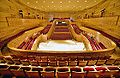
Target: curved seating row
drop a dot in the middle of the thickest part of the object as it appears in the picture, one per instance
(93, 42)
(46, 29)
(59, 61)
(76, 29)
(28, 42)
(60, 72)
(61, 33)
(61, 36)
(95, 45)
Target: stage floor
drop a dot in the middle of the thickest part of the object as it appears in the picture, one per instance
(61, 45)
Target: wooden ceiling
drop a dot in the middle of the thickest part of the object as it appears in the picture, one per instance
(60, 5)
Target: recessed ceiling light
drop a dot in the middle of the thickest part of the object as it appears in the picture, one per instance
(78, 1)
(28, 2)
(60, 6)
(52, 2)
(53, 6)
(35, 7)
(69, 1)
(43, 1)
(36, 1)
(67, 6)
(61, 2)
(85, 0)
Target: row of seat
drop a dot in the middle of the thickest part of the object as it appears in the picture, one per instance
(61, 30)
(76, 29)
(46, 29)
(93, 42)
(61, 36)
(60, 72)
(61, 33)
(28, 42)
(95, 45)
(60, 62)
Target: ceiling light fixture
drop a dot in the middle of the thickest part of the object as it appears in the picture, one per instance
(61, 2)
(69, 1)
(52, 2)
(85, 0)
(43, 1)
(28, 2)
(36, 1)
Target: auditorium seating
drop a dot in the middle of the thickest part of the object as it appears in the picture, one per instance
(66, 71)
(46, 29)
(61, 36)
(93, 42)
(76, 29)
(29, 41)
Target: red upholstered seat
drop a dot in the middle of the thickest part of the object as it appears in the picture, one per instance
(113, 67)
(63, 73)
(77, 74)
(9, 60)
(100, 68)
(2, 59)
(49, 72)
(35, 73)
(88, 69)
(34, 63)
(76, 69)
(117, 61)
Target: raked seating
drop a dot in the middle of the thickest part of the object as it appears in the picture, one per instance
(95, 45)
(46, 29)
(28, 42)
(61, 36)
(61, 30)
(7, 70)
(76, 29)
(65, 61)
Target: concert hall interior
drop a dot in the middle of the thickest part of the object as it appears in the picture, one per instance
(59, 38)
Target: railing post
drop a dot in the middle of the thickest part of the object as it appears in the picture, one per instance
(7, 21)
(117, 19)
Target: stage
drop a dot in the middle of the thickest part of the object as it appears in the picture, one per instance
(61, 45)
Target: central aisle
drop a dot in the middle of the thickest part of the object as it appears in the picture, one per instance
(61, 45)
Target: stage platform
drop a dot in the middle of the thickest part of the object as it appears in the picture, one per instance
(61, 45)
